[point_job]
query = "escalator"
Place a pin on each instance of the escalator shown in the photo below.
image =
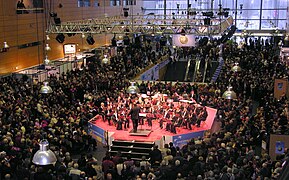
(176, 71)
(201, 70)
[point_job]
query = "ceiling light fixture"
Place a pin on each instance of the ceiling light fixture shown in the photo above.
(45, 88)
(47, 47)
(44, 156)
(132, 89)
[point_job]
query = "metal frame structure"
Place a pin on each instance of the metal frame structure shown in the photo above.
(144, 24)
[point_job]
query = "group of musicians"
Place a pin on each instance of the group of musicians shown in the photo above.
(169, 113)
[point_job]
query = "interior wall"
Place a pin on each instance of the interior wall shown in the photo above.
(23, 29)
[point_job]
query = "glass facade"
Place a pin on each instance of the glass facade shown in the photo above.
(248, 14)
(83, 3)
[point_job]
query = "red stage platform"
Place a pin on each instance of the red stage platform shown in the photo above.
(105, 133)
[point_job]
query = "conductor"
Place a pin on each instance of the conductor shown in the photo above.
(134, 112)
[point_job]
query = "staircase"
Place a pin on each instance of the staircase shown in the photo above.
(176, 71)
(218, 70)
(135, 149)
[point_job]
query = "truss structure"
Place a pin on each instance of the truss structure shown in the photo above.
(143, 24)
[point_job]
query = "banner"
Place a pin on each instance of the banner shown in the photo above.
(97, 133)
(183, 139)
(184, 40)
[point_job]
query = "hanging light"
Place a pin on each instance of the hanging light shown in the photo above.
(45, 89)
(44, 156)
(132, 89)
(229, 94)
(6, 46)
(47, 47)
(236, 68)
(105, 60)
(47, 37)
(82, 35)
(46, 60)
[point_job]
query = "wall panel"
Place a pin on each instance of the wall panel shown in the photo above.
(20, 29)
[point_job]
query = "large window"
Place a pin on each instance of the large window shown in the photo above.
(29, 6)
(96, 3)
(114, 2)
(248, 14)
(129, 2)
(83, 3)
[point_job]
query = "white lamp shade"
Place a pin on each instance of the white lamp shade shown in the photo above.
(132, 89)
(229, 94)
(105, 60)
(47, 37)
(6, 46)
(47, 47)
(236, 68)
(46, 60)
(44, 156)
(45, 89)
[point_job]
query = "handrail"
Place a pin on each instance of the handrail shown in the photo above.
(163, 58)
(187, 70)
(205, 69)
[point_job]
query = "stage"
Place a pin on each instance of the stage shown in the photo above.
(106, 134)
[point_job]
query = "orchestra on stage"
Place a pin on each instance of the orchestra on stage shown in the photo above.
(169, 112)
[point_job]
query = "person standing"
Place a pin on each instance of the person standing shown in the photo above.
(134, 112)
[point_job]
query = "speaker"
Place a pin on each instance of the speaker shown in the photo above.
(126, 40)
(163, 41)
(232, 31)
(113, 42)
(60, 38)
(90, 40)
(57, 21)
(207, 21)
(125, 14)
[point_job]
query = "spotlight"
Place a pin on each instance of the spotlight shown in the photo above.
(60, 38)
(57, 21)
(53, 14)
(90, 40)
(207, 21)
(183, 32)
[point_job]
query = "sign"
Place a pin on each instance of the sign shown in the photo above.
(183, 139)
(69, 48)
(184, 40)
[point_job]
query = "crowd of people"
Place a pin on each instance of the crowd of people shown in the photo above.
(61, 117)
